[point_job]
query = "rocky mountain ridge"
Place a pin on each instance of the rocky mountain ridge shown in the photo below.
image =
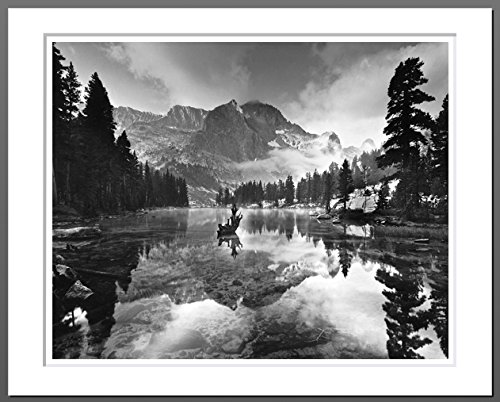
(212, 148)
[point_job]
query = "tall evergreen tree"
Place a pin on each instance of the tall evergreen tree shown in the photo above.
(316, 187)
(289, 190)
(281, 189)
(99, 127)
(58, 71)
(357, 174)
(148, 186)
(183, 193)
(345, 183)
(327, 190)
(126, 165)
(334, 174)
(406, 124)
(439, 150)
(383, 196)
(72, 93)
(227, 196)
(405, 121)
(220, 196)
(66, 98)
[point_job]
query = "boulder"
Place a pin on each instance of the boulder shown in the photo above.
(66, 271)
(367, 204)
(78, 292)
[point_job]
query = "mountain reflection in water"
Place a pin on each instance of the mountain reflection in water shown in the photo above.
(183, 293)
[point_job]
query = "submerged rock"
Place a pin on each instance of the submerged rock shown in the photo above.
(59, 259)
(234, 346)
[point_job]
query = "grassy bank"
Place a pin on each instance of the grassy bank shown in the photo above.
(435, 233)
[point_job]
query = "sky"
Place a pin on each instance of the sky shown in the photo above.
(333, 86)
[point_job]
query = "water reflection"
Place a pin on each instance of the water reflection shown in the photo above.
(438, 314)
(404, 318)
(181, 295)
(233, 242)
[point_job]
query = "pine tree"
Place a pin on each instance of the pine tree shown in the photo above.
(126, 163)
(289, 190)
(334, 170)
(148, 186)
(281, 189)
(405, 121)
(327, 190)
(357, 174)
(345, 183)
(183, 193)
(99, 127)
(220, 196)
(227, 196)
(66, 97)
(309, 187)
(383, 196)
(72, 93)
(316, 186)
(58, 71)
(439, 150)
(406, 124)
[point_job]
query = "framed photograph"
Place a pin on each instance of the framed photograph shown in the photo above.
(286, 201)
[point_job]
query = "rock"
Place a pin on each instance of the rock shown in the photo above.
(66, 271)
(421, 241)
(237, 282)
(59, 259)
(77, 233)
(185, 340)
(367, 204)
(324, 216)
(78, 292)
(234, 346)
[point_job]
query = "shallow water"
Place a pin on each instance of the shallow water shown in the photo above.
(287, 286)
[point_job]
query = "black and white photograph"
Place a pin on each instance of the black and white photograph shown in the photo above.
(249, 200)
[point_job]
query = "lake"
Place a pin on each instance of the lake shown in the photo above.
(286, 287)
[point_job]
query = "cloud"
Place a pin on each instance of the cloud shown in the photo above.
(351, 97)
(283, 162)
(196, 74)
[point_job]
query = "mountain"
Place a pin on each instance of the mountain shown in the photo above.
(368, 145)
(185, 118)
(229, 144)
(126, 116)
(227, 132)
